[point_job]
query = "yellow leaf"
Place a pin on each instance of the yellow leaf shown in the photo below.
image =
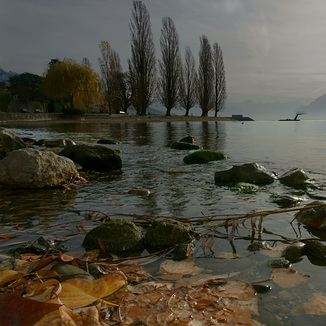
(7, 276)
(77, 293)
(316, 305)
(288, 278)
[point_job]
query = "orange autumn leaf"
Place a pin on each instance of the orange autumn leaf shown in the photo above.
(19, 311)
(288, 278)
(77, 293)
(316, 305)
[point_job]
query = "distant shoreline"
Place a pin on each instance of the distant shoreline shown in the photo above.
(39, 118)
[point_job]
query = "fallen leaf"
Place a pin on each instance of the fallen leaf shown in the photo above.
(77, 293)
(186, 267)
(19, 311)
(7, 236)
(316, 305)
(7, 275)
(288, 278)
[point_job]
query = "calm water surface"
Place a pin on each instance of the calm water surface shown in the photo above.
(177, 190)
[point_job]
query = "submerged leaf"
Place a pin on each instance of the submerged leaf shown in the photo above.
(288, 278)
(316, 305)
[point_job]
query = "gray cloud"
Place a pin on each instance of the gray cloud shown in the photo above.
(271, 48)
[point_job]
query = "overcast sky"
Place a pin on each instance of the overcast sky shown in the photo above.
(273, 49)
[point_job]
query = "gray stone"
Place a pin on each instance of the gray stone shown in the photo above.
(203, 157)
(68, 271)
(251, 173)
(31, 168)
(286, 201)
(295, 178)
(9, 142)
(94, 157)
(168, 233)
(313, 218)
(117, 236)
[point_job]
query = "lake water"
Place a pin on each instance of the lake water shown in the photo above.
(177, 190)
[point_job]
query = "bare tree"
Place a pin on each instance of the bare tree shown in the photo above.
(113, 79)
(205, 76)
(219, 75)
(189, 82)
(170, 65)
(104, 63)
(142, 64)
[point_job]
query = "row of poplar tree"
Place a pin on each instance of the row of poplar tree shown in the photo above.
(178, 83)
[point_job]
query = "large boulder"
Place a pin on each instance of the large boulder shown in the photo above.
(117, 236)
(31, 168)
(313, 217)
(9, 142)
(251, 173)
(168, 233)
(203, 157)
(295, 178)
(94, 157)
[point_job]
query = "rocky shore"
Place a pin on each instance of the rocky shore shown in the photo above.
(44, 118)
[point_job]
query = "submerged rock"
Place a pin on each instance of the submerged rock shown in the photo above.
(251, 173)
(186, 143)
(94, 157)
(314, 218)
(9, 142)
(184, 146)
(31, 168)
(105, 141)
(117, 236)
(295, 178)
(168, 233)
(68, 271)
(203, 157)
(286, 201)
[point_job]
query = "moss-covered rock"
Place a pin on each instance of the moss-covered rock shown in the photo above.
(117, 236)
(251, 173)
(94, 157)
(168, 233)
(295, 178)
(203, 157)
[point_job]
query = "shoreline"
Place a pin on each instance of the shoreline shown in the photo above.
(101, 118)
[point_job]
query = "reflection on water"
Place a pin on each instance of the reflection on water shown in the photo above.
(177, 190)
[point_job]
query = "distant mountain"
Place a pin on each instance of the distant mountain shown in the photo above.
(316, 109)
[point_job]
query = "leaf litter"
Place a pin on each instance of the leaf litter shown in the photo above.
(128, 295)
